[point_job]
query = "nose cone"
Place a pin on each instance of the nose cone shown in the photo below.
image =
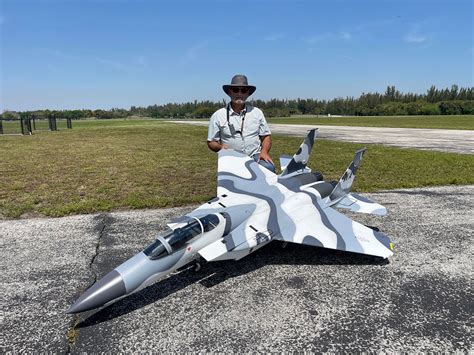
(110, 287)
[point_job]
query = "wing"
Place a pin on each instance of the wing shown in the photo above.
(313, 223)
(298, 219)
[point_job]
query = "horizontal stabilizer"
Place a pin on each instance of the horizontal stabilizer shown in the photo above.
(361, 204)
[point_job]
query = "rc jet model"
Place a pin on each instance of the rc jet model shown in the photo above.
(253, 207)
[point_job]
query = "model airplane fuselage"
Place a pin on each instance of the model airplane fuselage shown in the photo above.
(253, 207)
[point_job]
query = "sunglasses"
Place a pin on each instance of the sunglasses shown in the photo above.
(242, 90)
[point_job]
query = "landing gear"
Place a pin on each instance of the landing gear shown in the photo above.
(193, 265)
(198, 263)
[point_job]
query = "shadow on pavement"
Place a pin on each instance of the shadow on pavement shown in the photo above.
(213, 273)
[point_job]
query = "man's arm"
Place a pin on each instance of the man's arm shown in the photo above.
(266, 146)
(265, 139)
(213, 134)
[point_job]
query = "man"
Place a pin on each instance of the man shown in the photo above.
(240, 126)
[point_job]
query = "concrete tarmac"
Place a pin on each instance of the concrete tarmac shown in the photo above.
(277, 299)
(443, 140)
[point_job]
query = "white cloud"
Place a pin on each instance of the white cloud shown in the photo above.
(140, 60)
(414, 38)
(375, 24)
(60, 54)
(328, 35)
(417, 33)
(193, 52)
(345, 35)
(318, 38)
(274, 37)
(346, 57)
(111, 63)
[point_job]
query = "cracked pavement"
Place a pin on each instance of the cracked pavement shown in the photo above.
(296, 298)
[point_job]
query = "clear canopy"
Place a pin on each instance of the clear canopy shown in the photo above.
(177, 238)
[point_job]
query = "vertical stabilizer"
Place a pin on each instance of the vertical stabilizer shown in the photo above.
(301, 157)
(345, 182)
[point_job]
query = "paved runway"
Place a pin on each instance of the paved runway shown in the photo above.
(444, 140)
(297, 298)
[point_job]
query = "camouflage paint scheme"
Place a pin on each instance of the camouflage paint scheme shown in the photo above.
(253, 207)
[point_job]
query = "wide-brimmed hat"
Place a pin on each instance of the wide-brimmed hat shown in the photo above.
(239, 81)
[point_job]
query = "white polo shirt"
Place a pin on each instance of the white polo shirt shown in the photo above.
(243, 131)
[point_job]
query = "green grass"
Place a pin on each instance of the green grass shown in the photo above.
(465, 122)
(127, 122)
(107, 165)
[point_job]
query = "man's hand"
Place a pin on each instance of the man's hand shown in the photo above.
(266, 146)
(216, 146)
(265, 156)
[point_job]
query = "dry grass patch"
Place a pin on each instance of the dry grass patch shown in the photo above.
(155, 164)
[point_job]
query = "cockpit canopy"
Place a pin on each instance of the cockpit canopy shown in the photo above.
(177, 238)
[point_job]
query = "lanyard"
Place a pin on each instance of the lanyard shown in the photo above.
(242, 124)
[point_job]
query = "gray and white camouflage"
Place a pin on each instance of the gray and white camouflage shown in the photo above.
(253, 207)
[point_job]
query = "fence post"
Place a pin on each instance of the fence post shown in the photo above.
(29, 125)
(1, 126)
(69, 123)
(34, 123)
(21, 124)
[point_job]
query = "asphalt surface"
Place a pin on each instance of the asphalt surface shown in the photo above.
(276, 299)
(443, 140)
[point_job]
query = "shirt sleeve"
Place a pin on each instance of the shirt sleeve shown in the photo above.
(213, 132)
(263, 129)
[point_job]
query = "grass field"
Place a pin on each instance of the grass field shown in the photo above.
(445, 122)
(105, 165)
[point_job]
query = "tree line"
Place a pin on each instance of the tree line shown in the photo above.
(448, 101)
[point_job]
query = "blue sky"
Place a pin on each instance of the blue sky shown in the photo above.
(103, 54)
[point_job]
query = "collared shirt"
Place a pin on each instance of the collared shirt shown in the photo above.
(243, 131)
